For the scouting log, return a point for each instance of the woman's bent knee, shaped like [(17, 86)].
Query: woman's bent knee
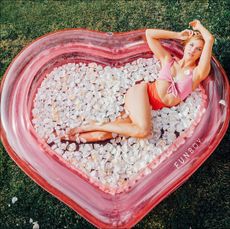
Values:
[(143, 133)]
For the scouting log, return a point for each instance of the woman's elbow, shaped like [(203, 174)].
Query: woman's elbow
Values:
[(149, 32), (210, 38)]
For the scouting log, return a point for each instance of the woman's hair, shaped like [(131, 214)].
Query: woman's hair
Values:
[(195, 36)]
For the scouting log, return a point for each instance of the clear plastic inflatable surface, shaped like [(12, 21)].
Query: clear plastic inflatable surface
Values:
[(36, 158)]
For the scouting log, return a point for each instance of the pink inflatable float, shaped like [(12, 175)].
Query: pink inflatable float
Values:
[(112, 184)]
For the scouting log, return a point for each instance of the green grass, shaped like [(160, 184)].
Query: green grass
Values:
[(203, 201)]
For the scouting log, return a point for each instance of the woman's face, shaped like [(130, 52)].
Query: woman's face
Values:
[(193, 49)]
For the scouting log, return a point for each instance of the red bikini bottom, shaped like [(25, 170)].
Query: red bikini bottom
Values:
[(154, 98)]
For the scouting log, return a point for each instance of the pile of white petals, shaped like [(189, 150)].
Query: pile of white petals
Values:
[(74, 93)]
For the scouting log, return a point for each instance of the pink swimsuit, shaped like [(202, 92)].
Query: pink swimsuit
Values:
[(179, 89)]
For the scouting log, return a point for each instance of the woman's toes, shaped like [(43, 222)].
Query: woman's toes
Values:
[(72, 131)]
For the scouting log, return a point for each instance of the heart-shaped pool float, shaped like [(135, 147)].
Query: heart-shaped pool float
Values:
[(103, 208)]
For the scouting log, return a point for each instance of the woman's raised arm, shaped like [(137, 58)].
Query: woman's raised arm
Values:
[(153, 36), (204, 65)]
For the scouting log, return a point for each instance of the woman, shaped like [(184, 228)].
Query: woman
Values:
[(177, 79)]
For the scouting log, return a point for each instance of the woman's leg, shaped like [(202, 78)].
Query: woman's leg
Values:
[(137, 103), (94, 136)]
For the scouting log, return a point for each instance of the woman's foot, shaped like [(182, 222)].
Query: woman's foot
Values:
[(95, 136)]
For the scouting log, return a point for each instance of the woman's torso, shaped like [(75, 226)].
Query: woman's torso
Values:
[(163, 85)]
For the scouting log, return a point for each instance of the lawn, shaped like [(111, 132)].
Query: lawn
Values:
[(203, 201)]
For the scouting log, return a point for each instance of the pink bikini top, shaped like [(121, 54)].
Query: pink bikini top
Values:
[(180, 89)]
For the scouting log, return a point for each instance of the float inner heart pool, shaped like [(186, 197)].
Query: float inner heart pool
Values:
[(64, 79), (76, 92)]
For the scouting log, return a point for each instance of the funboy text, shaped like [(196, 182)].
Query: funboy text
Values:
[(186, 155)]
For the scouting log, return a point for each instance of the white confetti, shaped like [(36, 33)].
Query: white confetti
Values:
[(35, 225), (222, 102), (14, 199)]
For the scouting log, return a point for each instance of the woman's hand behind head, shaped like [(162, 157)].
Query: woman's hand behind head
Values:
[(195, 24), (185, 34)]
